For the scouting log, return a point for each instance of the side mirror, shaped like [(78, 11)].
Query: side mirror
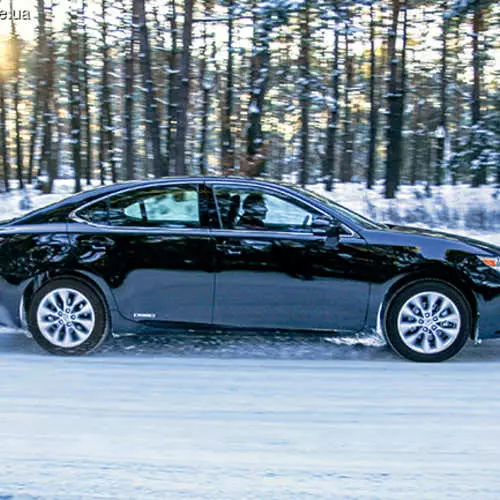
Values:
[(323, 225)]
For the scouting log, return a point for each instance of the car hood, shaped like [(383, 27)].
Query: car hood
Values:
[(487, 247)]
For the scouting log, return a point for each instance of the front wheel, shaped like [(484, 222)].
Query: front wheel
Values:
[(428, 321), (67, 317)]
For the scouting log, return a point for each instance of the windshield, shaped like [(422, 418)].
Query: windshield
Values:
[(359, 219)]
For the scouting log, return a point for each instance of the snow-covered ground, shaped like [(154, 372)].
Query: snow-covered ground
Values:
[(252, 417), (246, 418)]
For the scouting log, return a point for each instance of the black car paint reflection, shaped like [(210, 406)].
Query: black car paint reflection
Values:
[(210, 276)]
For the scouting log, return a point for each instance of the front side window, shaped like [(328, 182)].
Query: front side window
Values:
[(163, 206), (255, 209)]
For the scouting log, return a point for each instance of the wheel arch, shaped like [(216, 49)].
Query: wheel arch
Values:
[(441, 273), (43, 278)]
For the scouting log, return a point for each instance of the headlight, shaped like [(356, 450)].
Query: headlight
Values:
[(493, 262)]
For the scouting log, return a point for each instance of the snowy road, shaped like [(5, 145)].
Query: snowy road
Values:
[(244, 418)]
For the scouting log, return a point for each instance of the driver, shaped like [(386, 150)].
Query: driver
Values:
[(255, 211)]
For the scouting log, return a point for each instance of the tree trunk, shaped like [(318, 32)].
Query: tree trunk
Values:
[(347, 140), (106, 135), (394, 98), (370, 171), (427, 149), (402, 87), (48, 163), (34, 124), (205, 95), (45, 92), (227, 143), (183, 94), (16, 49), (129, 97), (415, 164), (457, 105), (171, 107), (86, 118), (304, 67), (480, 173), (150, 99), (441, 132), (261, 59), (3, 137), (74, 93), (331, 134)]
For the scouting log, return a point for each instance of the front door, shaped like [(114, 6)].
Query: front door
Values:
[(273, 272), (149, 245)]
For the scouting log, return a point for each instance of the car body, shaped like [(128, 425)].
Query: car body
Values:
[(239, 253)]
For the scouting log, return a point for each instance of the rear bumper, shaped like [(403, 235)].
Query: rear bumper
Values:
[(10, 301)]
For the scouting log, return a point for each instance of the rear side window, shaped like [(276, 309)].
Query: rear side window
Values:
[(96, 213), (165, 206)]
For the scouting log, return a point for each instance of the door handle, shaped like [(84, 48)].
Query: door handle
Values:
[(229, 249), (100, 243)]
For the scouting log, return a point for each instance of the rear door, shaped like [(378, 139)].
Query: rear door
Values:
[(151, 247), (273, 272)]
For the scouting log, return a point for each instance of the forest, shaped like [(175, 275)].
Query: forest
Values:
[(314, 91)]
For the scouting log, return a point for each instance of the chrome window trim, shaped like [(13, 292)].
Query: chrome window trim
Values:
[(257, 234), (148, 231), (73, 216)]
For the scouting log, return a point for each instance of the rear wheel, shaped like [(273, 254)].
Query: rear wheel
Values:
[(67, 317), (428, 321)]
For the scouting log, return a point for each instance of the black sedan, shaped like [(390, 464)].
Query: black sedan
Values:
[(233, 253)]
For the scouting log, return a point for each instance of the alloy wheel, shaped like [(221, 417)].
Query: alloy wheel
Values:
[(65, 317), (429, 322)]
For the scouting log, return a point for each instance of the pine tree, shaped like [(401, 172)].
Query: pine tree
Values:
[(172, 90), (473, 151), (34, 123), (206, 87), (227, 142), (151, 105), (3, 134), (16, 54), (305, 100), (441, 132), (183, 94), (129, 159), (48, 156), (85, 94), (395, 105), (370, 171), (106, 135), (333, 108), (74, 96), (259, 80), (346, 170), (480, 172)]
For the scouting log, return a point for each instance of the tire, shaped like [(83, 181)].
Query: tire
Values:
[(428, 321), (67, 317)]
